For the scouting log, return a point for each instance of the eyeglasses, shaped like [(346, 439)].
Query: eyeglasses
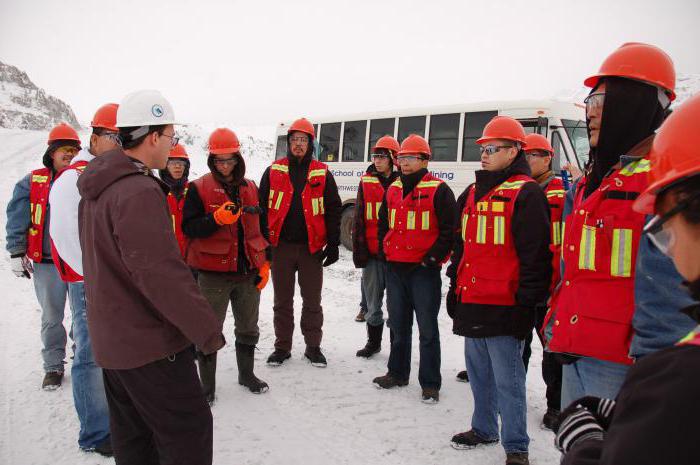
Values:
[(379, 156), (662, 238), (536, 154), (594, 101), (177, 163), (492, 149), (173, 139), (299, 139), (227, 161), (68, 150), (409, 158)]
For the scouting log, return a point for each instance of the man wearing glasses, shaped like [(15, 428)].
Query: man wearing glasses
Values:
[(500, 272), (370, 195), (228, 249), (416, 229), (300, 198)]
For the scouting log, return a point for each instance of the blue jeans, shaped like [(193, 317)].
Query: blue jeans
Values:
[(591, 377), (87, 382), (51, 293), (408, 291), (373, 285), (497, 379)]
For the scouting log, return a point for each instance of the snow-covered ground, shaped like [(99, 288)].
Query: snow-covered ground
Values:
[(310, 416)]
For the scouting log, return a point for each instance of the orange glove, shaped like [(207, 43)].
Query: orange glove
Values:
[(225, 215), (263, 276)]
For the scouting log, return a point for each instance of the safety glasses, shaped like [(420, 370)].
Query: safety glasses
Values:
[(662, 238), (536, 154), (299, 140), (226, 161), (594, 101), (492, 149), (379, 156), (177, 163), (67, 151), (409, 158)]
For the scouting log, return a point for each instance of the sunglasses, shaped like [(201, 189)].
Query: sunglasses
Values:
[(67, 150), (492, 149)]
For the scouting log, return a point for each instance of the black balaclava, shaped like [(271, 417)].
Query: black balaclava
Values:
[(631, 113), (177, 186), (55, 145)]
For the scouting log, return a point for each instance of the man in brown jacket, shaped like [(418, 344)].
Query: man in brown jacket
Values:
[(144, 309)]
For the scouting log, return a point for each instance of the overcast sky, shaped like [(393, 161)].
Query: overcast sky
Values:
[(257, 61)]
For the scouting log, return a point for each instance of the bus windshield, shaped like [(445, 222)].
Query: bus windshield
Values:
[(578, 135)]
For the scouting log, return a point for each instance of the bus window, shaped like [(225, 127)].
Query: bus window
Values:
[(444, 132), (354, 140), (535, 126), (411, 125), (379, 128), (558, 152), (578, 135), (281, 151), (473, 127), (329, 142)]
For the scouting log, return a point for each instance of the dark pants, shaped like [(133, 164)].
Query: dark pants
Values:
[(288, 260), (551, 368), (158, 415), (408, 291)]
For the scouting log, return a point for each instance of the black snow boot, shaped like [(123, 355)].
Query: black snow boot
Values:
[(550, 420), (374, 341), (207, 375), (278, 357), (245, 356), (315, 356), (463, 376), (388, 381)]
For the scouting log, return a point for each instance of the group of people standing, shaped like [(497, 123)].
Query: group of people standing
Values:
[(588, 268)]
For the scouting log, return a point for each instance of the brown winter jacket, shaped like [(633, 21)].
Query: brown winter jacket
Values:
[(142, 302)]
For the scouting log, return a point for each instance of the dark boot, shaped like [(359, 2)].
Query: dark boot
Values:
[(463, 376), (388, 381), (245, 356), (374, 341), (207, 375)]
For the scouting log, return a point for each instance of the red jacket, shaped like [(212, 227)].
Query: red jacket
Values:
[(175, 207), (219, 252), (555, 197), (280, 199), (489, 272), (373, 196), (39, 186)]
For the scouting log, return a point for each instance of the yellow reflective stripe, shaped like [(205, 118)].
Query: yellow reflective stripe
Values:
[(511, 185), (425, 221), (586, 255), (282, 168), (314, 206), (640, 166), (269, 198), (377, 205), (37, 214), (392, 217), (556, 193), (370, 180), (563, 237), (321, 172), (556, 233), (368, 210), (621, 259), (323, 208), (482, 206), (279, 200), (428, 184), (397, 183), (498, 207), (39, 178), (499, 226), (411, 220), (465, 220), (173, 217), (481, 229)]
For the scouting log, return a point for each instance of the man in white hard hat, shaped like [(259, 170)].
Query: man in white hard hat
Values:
[(145, 311)]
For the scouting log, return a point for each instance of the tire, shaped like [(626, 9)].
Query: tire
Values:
[(346, 224)]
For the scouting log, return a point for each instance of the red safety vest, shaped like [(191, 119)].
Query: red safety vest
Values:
[(413, 227), (39, 186), (372, 195), (175, 207), (594, 304), (489, 272), (67, 273), (555, 197), (219, 252), (280, 199)]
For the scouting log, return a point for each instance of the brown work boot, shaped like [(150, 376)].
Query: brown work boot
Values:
[(517, 458), (360, 318), (52, 380), (388, 381), (430, 396)]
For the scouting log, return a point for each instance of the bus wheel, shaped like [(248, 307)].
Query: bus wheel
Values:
[(346, 223)]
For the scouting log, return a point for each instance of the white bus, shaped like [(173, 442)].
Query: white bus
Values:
[(344, 142)]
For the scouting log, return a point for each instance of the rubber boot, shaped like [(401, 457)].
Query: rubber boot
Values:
[(246, 360), (207, 375), (374, 341)]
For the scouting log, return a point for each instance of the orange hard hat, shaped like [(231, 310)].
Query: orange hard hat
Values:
[(503, 127), (302, 125), (642, 62), (106, 117), (62, 132), (387, 142), (415, 144), (223, 141), (178, 152), (674, 155), (538, 142)]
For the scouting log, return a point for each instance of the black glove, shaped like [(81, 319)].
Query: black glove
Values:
[(451, 301), (602, 409), (360, 258), (430, 261), (330, 255), (576, 424)]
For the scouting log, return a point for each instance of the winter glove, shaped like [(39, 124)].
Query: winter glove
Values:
[(430, 261), (227, 213), (602, 409), (263, 276), (451, 301), (330, 255), (577, 424), (21, 266)]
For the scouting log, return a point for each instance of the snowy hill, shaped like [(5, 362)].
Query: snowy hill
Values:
[(25, 106)]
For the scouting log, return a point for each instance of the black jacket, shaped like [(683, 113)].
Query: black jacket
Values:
[(530, 227), (360, 250), (294, 227)]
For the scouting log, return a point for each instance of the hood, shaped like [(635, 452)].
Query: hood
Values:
[(104, 171), (177, 186), (53, 146), (487, 180)]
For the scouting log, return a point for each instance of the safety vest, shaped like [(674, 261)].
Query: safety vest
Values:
[(175, 207), (594, 304), (372, 195), (693, 338), (219, 252), (489, 271), (413, 227), (67, 273), (555, 197), (39, 186), (280, 199)]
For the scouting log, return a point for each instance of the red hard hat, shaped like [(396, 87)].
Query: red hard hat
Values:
[(415, 144), (302, 125), (538, 142), (503, 127), (62, 132), (674, 154), (223, 141), (387, 142), (106, 117), (641, 62), (178, 152)]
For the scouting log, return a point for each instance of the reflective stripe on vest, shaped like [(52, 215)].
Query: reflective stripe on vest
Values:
[(621, 256), (586, 258)]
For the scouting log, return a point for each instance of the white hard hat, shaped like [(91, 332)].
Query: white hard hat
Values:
[(145, 108)]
